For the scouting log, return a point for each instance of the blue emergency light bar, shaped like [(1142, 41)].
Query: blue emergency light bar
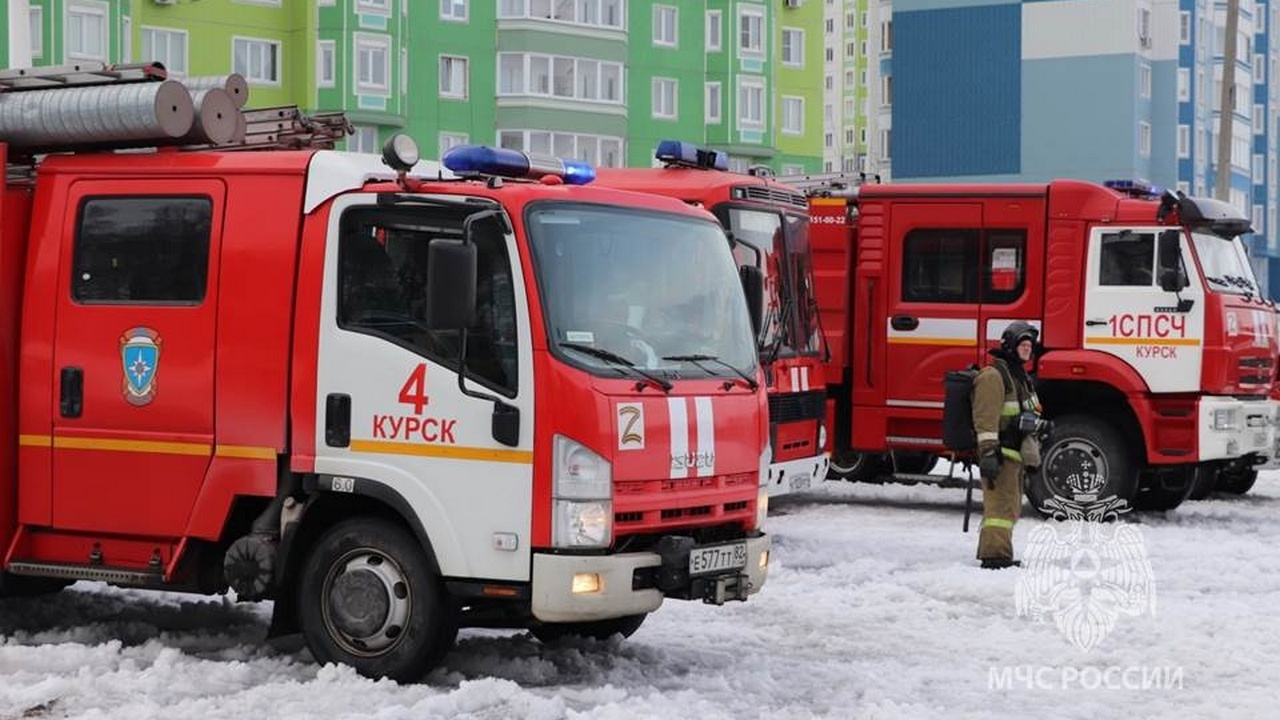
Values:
[(504, 162), (1135, 188), (676, 152)]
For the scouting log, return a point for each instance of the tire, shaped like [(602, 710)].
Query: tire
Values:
[(859, 467), (1237, 482), (368, 598), (626, 626), (1086, 461)]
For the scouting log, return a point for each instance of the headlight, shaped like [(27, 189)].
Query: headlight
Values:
[(766, 459), (822, 437), (762, 507), (582, 497), (579, 473), (1225, 419), (582, 524)]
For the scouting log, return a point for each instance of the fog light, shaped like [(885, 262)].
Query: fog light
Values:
[(586, 583), (764, 560)]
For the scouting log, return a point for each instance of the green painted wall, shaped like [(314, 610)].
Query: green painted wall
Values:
[(804, 150), (429, 114), (649, 61)]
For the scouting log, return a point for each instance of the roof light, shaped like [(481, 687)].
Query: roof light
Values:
[(400, 152), (484, 160), (676, 152), (1135, 188)]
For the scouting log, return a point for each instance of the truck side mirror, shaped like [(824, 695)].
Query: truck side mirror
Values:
[(753, 285), (1169, 256), (451, 284)]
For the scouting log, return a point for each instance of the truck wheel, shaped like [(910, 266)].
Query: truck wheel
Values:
[(1165, 488), (859, 466), (600, 629), (1086, 461), (369, 599), (1237, 482), (1206, 481), (915, 463)]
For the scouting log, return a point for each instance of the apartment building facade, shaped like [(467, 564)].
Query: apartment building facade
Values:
[(602, 80)]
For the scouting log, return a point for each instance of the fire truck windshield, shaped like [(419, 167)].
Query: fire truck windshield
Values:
[(790, 323), (1225, 264), (650, 288)]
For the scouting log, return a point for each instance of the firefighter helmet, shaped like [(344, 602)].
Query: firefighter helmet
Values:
[(1018, 331)]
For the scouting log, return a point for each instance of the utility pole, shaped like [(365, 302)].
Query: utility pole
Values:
[(1226, 114)]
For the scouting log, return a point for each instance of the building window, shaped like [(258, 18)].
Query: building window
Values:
[(373, 64), (609, 14), (1144, 80), (792, 115), (257, 60), (714, 30), (35, 17), (665, 20), (1184, 141), (449, 140), (1259, 68), (1184, 28), (166, 46), (713, 103), (793, 47), (792, 169), (326, 63), (530, 74), (751, 102), (453, 76), (1144, 139), (664, 98), (455, 10), (750, 32), (381, 7), (598, 150), (829, 82), (886, 36), (886, 90), (886, 136), (1184, 84), (1259, 170), (86, 34), (830, 54), (364, 139), (1259, 118)]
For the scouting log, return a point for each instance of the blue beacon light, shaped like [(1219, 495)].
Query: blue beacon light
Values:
[(1136, 188), (678, 152), (504, 162)]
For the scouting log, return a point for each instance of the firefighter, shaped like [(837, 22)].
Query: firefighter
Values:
[(1003, 395)]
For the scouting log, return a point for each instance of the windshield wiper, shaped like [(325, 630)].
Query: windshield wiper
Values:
[(699, 359), (616, 359)]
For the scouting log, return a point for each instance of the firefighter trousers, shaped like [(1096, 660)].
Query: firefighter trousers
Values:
[(1001, 506)]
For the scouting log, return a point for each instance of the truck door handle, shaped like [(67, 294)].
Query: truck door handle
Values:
[(1095, 323), (904, 322), (71, 395)]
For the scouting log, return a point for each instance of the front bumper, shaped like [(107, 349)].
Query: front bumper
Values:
[(797, 475), (634, 583), (1230, 428)]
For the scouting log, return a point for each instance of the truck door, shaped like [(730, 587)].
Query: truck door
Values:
[(412, 431), (1128, 315), (133, 355), (934, 294)]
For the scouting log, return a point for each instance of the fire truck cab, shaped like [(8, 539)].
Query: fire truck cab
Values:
[(768, 229), (1158, 350), (395, 397)]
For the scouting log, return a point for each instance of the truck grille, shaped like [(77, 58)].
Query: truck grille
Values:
[(643, 506), (1256, 370), (791, 407), (774, 196)]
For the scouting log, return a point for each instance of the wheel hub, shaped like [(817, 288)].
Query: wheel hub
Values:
[(1076, 469), (367, 603)]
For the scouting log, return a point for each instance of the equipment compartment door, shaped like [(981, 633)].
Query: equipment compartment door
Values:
[(133, 355)]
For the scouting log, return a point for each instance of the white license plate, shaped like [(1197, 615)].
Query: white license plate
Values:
[(716, 558)]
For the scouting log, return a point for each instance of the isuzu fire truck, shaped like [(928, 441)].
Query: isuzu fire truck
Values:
[(241, 369), (768, 228), (1159, 353)]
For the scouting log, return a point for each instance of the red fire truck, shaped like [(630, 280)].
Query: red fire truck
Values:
[(241, 369), (768, 229), (1159, 352)]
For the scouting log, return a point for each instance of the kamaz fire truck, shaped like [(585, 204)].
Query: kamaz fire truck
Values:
[(395, 397), (769, 229), (1158, 350)]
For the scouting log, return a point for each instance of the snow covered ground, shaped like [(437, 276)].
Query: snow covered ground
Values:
[(874, 609)]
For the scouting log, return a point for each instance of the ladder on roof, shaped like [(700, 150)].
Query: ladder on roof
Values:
[(80, 75), (828, 184)]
